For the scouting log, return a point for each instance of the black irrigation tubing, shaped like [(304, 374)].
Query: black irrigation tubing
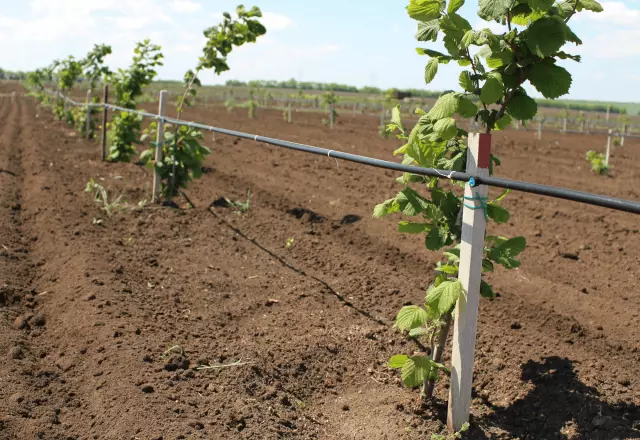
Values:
[(533, 188)]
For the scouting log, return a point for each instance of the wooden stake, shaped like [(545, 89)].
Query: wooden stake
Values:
[(564, 125), (608, 153), (289, 113), (624, 131), (539, 133), (470, 273), (87, 127), (105, 100), (159, 145), (13, 97)]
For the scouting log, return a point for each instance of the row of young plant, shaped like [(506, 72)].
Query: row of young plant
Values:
[(183, 151)]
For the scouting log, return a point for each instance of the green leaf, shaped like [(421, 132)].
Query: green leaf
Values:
[(411, 203), (419, 331), (503, 122), (546, 36), (436, 239), (430, 52), (492, 89), (521, 106), (486, 291), (445, 128), (449, 270), (454, 5), (445, 106), (492, 9), (413, 228), (567, 56), (466, 82), (466, 108), (383, 209), (410, 317), (590, 5), (396, 118), (497, 213), (540, 5), (416, 370), (424, 10), (428, 31), (443, 297), (549, 79), (504, 252), (487, 265), (431, 70), (398, 360)]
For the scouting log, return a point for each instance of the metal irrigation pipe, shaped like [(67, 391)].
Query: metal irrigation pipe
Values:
[(533, 188)]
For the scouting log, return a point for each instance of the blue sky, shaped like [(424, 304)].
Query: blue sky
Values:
[(353, 42)]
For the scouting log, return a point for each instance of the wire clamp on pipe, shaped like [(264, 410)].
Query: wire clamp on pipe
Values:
[(329, 155)]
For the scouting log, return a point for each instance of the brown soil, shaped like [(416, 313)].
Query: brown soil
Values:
[(105, 320)]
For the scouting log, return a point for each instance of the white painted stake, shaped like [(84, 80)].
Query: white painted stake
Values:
[(159, 145), (470, 273), (13, 97), (564, 125), (87, 128), (624, 131), (608, 153), (539, 133), (289, 113)]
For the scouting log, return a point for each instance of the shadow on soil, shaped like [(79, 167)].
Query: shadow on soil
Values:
[(560, 406), (282, 261)]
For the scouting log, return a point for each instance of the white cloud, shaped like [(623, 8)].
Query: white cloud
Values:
[(612, 45), (614, 14), (329, 48), (275, 22), (185, 6)]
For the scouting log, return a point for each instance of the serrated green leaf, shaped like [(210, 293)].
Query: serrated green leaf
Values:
[(398, 360), (567, 56), (424, 10), (468, 38), (546, 36), (416, 370), (550, 80), (417, 332), (449, 270), (413, 228), (410, 317), (503, 122), (540, 5), (411, 203), (443, 297), (384, 208), (492, 9), (429, 52), (454, 5), (436, 239), (497, 213), (444, 107), (466, 108), (505, 252), (590, 5), (430, 70), (486, 291), (428, 31), (466, 82), (492, 89), (487, 265), (445, 128), (522, 107), (396, 118)]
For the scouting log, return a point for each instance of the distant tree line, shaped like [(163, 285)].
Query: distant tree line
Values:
[(8, 74), (325, 87), (581, 106)]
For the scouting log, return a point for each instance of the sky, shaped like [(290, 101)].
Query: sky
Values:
[(353, 42)]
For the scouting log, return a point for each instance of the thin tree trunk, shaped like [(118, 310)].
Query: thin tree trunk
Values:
[(438, 350)]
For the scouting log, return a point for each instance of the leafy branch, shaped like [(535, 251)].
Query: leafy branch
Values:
[(183, 152)]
